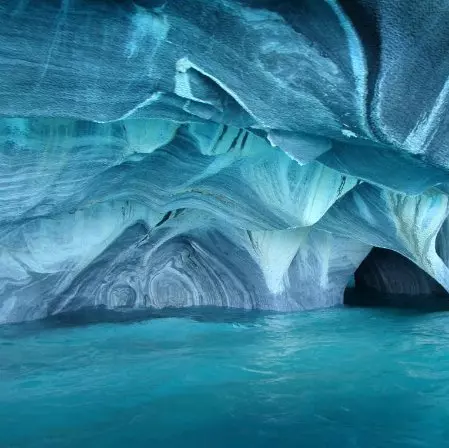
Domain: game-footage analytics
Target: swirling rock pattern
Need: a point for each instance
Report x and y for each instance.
(222, 152)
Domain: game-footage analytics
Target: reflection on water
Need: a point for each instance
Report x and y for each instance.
(335, 378)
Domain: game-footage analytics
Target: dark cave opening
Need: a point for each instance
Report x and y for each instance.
(388, 279)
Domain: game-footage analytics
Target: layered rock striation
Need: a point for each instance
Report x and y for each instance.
(230, 153)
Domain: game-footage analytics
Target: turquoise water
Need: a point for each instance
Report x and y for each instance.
(336, 378)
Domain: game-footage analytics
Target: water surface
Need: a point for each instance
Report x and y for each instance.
(335, 378)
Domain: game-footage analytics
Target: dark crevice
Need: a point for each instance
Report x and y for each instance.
(164, 219)
(387, 279)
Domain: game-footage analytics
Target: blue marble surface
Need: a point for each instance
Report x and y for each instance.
(245, 154)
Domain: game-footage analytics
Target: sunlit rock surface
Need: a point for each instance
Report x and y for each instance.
(232, 153)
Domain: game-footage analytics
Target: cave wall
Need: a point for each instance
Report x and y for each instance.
(231, 153)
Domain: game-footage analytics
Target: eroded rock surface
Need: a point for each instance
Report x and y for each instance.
(232, 153)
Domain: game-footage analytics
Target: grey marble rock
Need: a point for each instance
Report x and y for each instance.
(236, 153)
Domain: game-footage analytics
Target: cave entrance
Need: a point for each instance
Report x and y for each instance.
(388, 279)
